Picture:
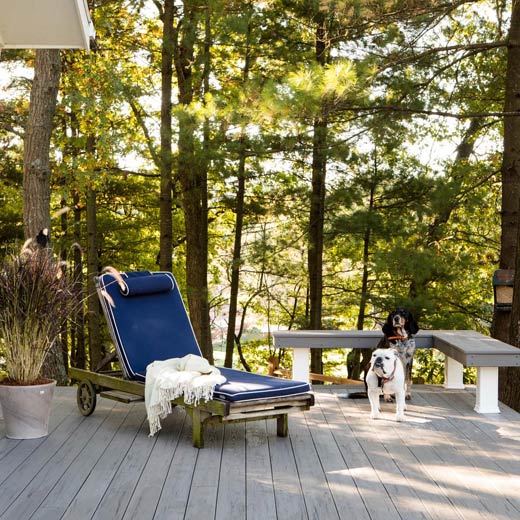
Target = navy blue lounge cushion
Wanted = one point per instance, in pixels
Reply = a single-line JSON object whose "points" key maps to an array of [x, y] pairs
{"points": [[241, 385], [244, 386], [141, 285], [146, 327], [153, 325]]}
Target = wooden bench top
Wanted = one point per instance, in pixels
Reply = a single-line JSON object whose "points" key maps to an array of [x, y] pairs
{"points": [[473, 349], [468, 347], [340, 338]]}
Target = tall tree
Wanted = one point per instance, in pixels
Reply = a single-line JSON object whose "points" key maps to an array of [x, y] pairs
{"points": [[37, 141], [167, 14], [239, 208], [317, 206], [505, 325], [192, 174], [37, 170]]}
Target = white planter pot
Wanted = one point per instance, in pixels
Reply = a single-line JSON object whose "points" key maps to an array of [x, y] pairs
{"points": [[26, 410]]}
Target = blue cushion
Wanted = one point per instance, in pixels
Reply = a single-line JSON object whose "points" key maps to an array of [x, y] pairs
{"points": [[241, 385], [153, 284], [153, 325], [244, 386], [146, 327]]}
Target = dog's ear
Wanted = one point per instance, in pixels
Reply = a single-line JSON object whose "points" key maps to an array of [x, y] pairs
{"points": [[388, 330], [411, 324]]}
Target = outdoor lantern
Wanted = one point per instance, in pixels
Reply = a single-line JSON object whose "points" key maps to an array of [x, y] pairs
{"points": [[503, 281]]}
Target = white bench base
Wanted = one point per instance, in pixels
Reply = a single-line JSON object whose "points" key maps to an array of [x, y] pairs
{"points": [[487, 384], [453, 374], [486, 389], [301, 364]]}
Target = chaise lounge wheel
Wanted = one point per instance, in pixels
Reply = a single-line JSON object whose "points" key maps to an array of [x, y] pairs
{"points": [[86, 397]]}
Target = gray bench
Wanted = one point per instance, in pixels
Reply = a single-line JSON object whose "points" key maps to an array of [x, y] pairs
{"points": [[460, 347]]}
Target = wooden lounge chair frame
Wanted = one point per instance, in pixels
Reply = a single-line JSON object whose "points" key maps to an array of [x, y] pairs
{"points": [[112, 385]]}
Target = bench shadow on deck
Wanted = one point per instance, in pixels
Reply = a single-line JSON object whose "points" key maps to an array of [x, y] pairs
{"points": [[446, 462]]}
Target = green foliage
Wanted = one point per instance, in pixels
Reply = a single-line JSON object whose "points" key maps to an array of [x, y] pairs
{"points": [[428, 368], [403, 204]]}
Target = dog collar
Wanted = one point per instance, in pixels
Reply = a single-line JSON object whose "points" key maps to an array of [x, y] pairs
{"points": [[392, 375], [400, 338]]}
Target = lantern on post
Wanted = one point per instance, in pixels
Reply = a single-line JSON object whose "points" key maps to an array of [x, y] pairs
{"points": [[503, 282]]}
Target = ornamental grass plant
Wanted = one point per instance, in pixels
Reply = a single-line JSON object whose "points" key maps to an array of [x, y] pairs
{"points": [[36, 300]]}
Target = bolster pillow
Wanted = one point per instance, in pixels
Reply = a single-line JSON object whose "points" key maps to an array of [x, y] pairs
{"points": [[147, 284]]}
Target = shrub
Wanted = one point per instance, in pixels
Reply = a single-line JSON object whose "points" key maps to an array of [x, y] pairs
{"points": [[36, 299]]}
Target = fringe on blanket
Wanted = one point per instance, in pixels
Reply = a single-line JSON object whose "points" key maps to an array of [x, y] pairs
{"points": [[190, 377]]}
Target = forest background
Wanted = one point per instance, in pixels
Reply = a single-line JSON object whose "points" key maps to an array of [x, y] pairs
{"points": [[296, 164]]}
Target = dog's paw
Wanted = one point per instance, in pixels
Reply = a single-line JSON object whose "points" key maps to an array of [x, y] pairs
{"points": [[374, 415], [388, 398], [400, 418]]}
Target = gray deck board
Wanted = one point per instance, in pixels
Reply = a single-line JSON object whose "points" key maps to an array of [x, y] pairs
{"points": [[147, 492], [73, 478], [445, 463], [290, 502], [467, 453], [202, 499], [176, 487], [317, 494], [95, 486], [260, 494], [380, 446], [348, 500], [231, 498], [119, 492]]}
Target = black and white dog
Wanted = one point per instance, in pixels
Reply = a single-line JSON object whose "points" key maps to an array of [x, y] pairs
{"points": [[399, 329]]}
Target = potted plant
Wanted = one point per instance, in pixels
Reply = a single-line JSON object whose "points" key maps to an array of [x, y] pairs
{"points": [[36, 299]]}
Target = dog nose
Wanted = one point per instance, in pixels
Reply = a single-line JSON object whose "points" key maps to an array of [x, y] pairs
{"points": [[378, 362]]}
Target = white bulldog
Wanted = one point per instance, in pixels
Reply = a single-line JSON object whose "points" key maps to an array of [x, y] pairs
{"points": [[386, 374]]}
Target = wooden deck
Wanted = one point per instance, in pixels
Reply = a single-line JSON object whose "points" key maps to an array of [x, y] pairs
{"points": [[446, 462]]}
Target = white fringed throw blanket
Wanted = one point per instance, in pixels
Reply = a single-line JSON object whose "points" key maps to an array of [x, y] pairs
{"points": [[191, 376]]}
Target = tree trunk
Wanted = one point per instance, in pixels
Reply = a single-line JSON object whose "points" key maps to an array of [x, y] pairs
{"points": [[65, 347], [505, 325], [193, 179], [78, 331], [317, 212], [360, 357], [166, 165], [510, 167], [239, 222], [235, 263], [37, 171], [96, 355]]}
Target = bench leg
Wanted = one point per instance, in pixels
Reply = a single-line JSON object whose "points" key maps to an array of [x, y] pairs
{"points": [[300, 370], [487, 390], [453, 372]]}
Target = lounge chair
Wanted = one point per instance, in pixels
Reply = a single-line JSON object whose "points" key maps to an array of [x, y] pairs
{"points": [[148, 322]]}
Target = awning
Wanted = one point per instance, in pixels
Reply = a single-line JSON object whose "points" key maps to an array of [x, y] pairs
{"points": [[45, 24]]}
